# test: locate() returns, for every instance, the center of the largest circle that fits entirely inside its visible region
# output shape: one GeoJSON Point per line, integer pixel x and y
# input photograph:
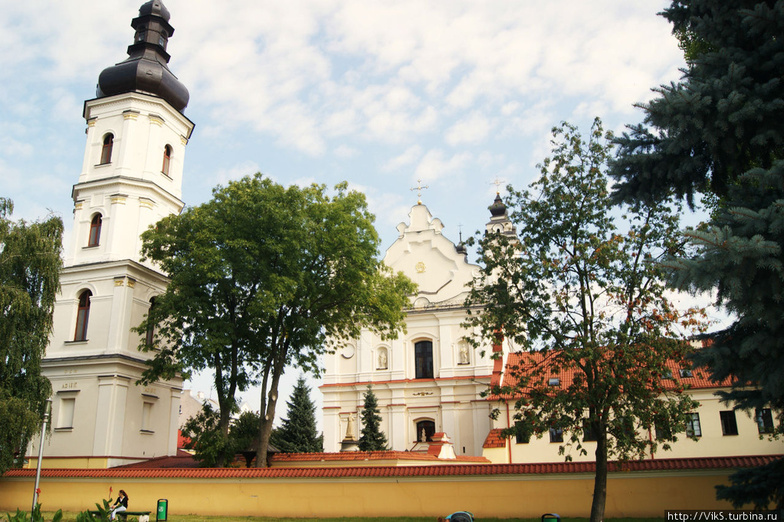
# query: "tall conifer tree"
{"type": "Point", "coordinates": [719, 131]}
{"type": "Point", "coordinates": [372, 438]}
{"type": "Point", "coordinates": [298, 433]}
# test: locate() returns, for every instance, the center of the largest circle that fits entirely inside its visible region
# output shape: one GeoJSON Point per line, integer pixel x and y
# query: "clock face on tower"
{"type": "Point", "coordinates": [347, 352]}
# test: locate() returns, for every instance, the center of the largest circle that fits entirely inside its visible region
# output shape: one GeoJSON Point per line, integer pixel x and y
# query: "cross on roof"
{"type": "Point", "coordinates": [497, 182]}
{"type": "Point", "coordinates": [419, 188]}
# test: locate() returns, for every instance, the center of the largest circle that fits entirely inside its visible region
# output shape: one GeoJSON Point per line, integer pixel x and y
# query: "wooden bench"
{"type": "Point", "coordinates": [123, 514]}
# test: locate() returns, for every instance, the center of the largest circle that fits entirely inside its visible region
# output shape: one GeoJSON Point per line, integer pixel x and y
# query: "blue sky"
{"type": "Point", "coordinates": [456, 93]}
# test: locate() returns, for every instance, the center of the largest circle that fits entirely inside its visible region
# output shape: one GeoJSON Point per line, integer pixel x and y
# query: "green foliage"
{"type": "Point", "coordinates": [372, 438]}
{"type": "Point", "coordinates": [720, 132]}
{"type": "Point", "coordinates": [725, 115]}
{"type": "Point", "coordinates": [264, 276]}
{"type": "Point", "coordinates": [29, 280]}
{"type": "Point", "coordinates": [211, 446]}
{"type": "Point", "coordinates": [588, 299]}
{"type": "Point", "coordinates": [298, 433]}
{"type": "Point", "coordinates": [36, 516]}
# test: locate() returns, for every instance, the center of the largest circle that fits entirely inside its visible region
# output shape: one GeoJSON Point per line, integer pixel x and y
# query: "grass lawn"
{"type": "Point", "coordinates": [71, 517]}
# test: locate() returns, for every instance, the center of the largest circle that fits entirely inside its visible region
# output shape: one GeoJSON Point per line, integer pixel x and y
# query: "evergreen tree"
{"type": "Point", "coordinates": [372, 438]}
{"type": "Point", "coordinates": [298, 433]}
{"type": "Point", "coordinates": [720, 132]}
{"type": "Point", "coordinates": [29, 280]}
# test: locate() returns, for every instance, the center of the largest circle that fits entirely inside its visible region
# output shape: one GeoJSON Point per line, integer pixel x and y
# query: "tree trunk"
{"type": "Point", "coordinates": [600, 479]}
{"type": "Point", "coordinates": [267, 417]}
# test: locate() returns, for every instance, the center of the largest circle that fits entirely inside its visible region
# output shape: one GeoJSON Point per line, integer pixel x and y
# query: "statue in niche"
{"type": "Point", "coordinates": [382, 359]}
{"type": "Point", "coordinates": [463, 353]}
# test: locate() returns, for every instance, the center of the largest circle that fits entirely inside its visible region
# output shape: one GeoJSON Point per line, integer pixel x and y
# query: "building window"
{"type": "Point", "coordinates": [556, 435]}
{"type": "Point", "coordinates": [66, 415]}
{"type": "Point", "coordinates": [663, 429]}
{"type": "Point", "coordinates": [423, 358]}
{"type": "Point", "coordinates": [82, 316]}
{"type": "Point", "coordinates": [764, 420]}
{"type": "Point", "coordinates": [522, 433]}
{"type": "Point", "coordinates": [95, 231]}
{"type": "Point", "coordinates": [150, 337]}
{"type": "Point", "coordinates": [589, 434]}
{"type": "Point", "coordinates": [728, 424]}
{"type": "Point", "coordinates": [147, 416]}
{"type": "Point", "coordinates": [167, 152]}
{"type": "Point", "coordinates": [425, 430]}
{"type": "Point", "coordinates": [106, 150]}
{"type": "Point", "coordinates": [554, 381]}
{"type": "Point", "coordinates": [685, 372]}
{"type": "Point", "coordinates": [693, 428]}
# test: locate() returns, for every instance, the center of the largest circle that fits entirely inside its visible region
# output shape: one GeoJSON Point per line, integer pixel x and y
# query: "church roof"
{"type": "Point", "coordinates": [522, 361]}
{"type": "Point", "coordinates": [145, 69]}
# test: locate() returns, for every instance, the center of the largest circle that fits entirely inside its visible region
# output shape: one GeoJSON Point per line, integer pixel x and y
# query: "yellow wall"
{"type": "Point", "coordinates": [630, 494]}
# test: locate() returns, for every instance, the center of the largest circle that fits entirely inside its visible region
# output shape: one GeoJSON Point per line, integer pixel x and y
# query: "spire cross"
{"type": "Point", "coordinates": [419, 188]}
{"type": "Point", "coordinates": [497, 182]}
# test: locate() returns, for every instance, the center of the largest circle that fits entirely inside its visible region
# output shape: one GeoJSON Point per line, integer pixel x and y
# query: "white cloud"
{"type": "Point", "coordinates": [435, 165]}
{"type": "Point", "coordinates": [408, 157]}
{"type": "Point", "coordinates": [474, 128]}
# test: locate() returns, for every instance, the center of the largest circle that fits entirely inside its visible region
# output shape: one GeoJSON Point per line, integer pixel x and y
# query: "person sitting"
{"type": "Point", "coordinates": [121, 504]}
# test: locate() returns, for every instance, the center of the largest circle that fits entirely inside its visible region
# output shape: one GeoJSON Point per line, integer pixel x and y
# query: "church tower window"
{"type": "Point", "coordinates": [82, 316]}
{"type": "Point", "coordinates": [150, 326]}
{"type": "Point", "coordinates": [423, 360]}
{"type": "Point", "coordinates": [95, 231]}
{"type": "Point", "coordinates": [106, 150]}
{"type": "Point", "coordinates": [167, 152]}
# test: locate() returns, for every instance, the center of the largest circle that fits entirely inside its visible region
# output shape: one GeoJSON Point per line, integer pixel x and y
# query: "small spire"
{"type": "Point", "coordinates": [419, 188]}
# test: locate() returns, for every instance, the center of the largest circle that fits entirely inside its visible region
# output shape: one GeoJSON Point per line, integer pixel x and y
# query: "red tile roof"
{"type": "Point", "coordinates": [354, 456]}
{"type": "Point", "coordinates": [495, 439]}
{"type": "Point", "coordinates": [402, 471]}
{"type": "Point", "coordinates": [521, 362]}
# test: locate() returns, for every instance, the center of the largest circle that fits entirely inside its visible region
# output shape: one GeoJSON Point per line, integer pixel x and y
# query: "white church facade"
{"type": "Point", "coordinates": [131, 177]}
{"type": "Point", "coordinates": [429, 380]}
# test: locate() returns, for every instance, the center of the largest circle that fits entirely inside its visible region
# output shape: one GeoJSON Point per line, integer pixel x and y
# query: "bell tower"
{"type": "Point", "coordinates": [131, 177]}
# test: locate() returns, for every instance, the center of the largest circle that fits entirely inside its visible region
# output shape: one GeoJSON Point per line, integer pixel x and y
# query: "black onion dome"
{"type": "Point", "coordinates": [497, 208]}
{"type": "Point", "coordinates": [145, 70]}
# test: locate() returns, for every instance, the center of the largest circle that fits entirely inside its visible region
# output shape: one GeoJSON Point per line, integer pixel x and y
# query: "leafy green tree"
{"type": "Point", "coordinates": [719, 132]}
{"type": "Point", "coordinates": [211, 447]}
{"type": "Point", "coordinates": [244, 434]}
{"type": "Point", "coordinates": [29, 280]}
{"type": "Point", "coordinates": [263, 276]}
{"type": "Point", "coordinates": [588, 300]}
{"type": "Point", "coordinates": [372, 438]}
{"type": "Point", "coordinates": [298, 433]}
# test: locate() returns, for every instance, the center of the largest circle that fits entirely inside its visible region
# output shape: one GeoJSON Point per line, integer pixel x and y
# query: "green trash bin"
{"type": "Point", "coordinates": [163, 509]}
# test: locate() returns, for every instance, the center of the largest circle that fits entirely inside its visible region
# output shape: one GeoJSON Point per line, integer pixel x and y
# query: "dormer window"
{"type": "Point", "coordinates": [106, 149]}
{"type": "Point", "coordinates": [685, 372]}
{"type": "Point", "coordinates": [553, 381]}
{"type": "Point", "coordinates": [167, 153]}
{"type": "Point", "coordinates": [95, 231]}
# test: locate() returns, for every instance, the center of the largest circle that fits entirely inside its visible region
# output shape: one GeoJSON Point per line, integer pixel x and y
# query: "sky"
{"type": "Point", "coordinates": [456, 93]}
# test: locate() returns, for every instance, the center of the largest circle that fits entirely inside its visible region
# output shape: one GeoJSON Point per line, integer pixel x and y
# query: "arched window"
{"type": "Point", "coordinates": [425, 430]}
{"type": "Point", "coordinates": [150, 325]}
{"type": "Point", "coordinates": [423, 360]}
{"type": "Point", "coordinates": [95, 231]}
{"type": "Point", "coordinates": [167, 152]}
{"type": "Point", "coordinates": [106, 150]}
{"type": "Point", "coordinates": [82, 316]}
